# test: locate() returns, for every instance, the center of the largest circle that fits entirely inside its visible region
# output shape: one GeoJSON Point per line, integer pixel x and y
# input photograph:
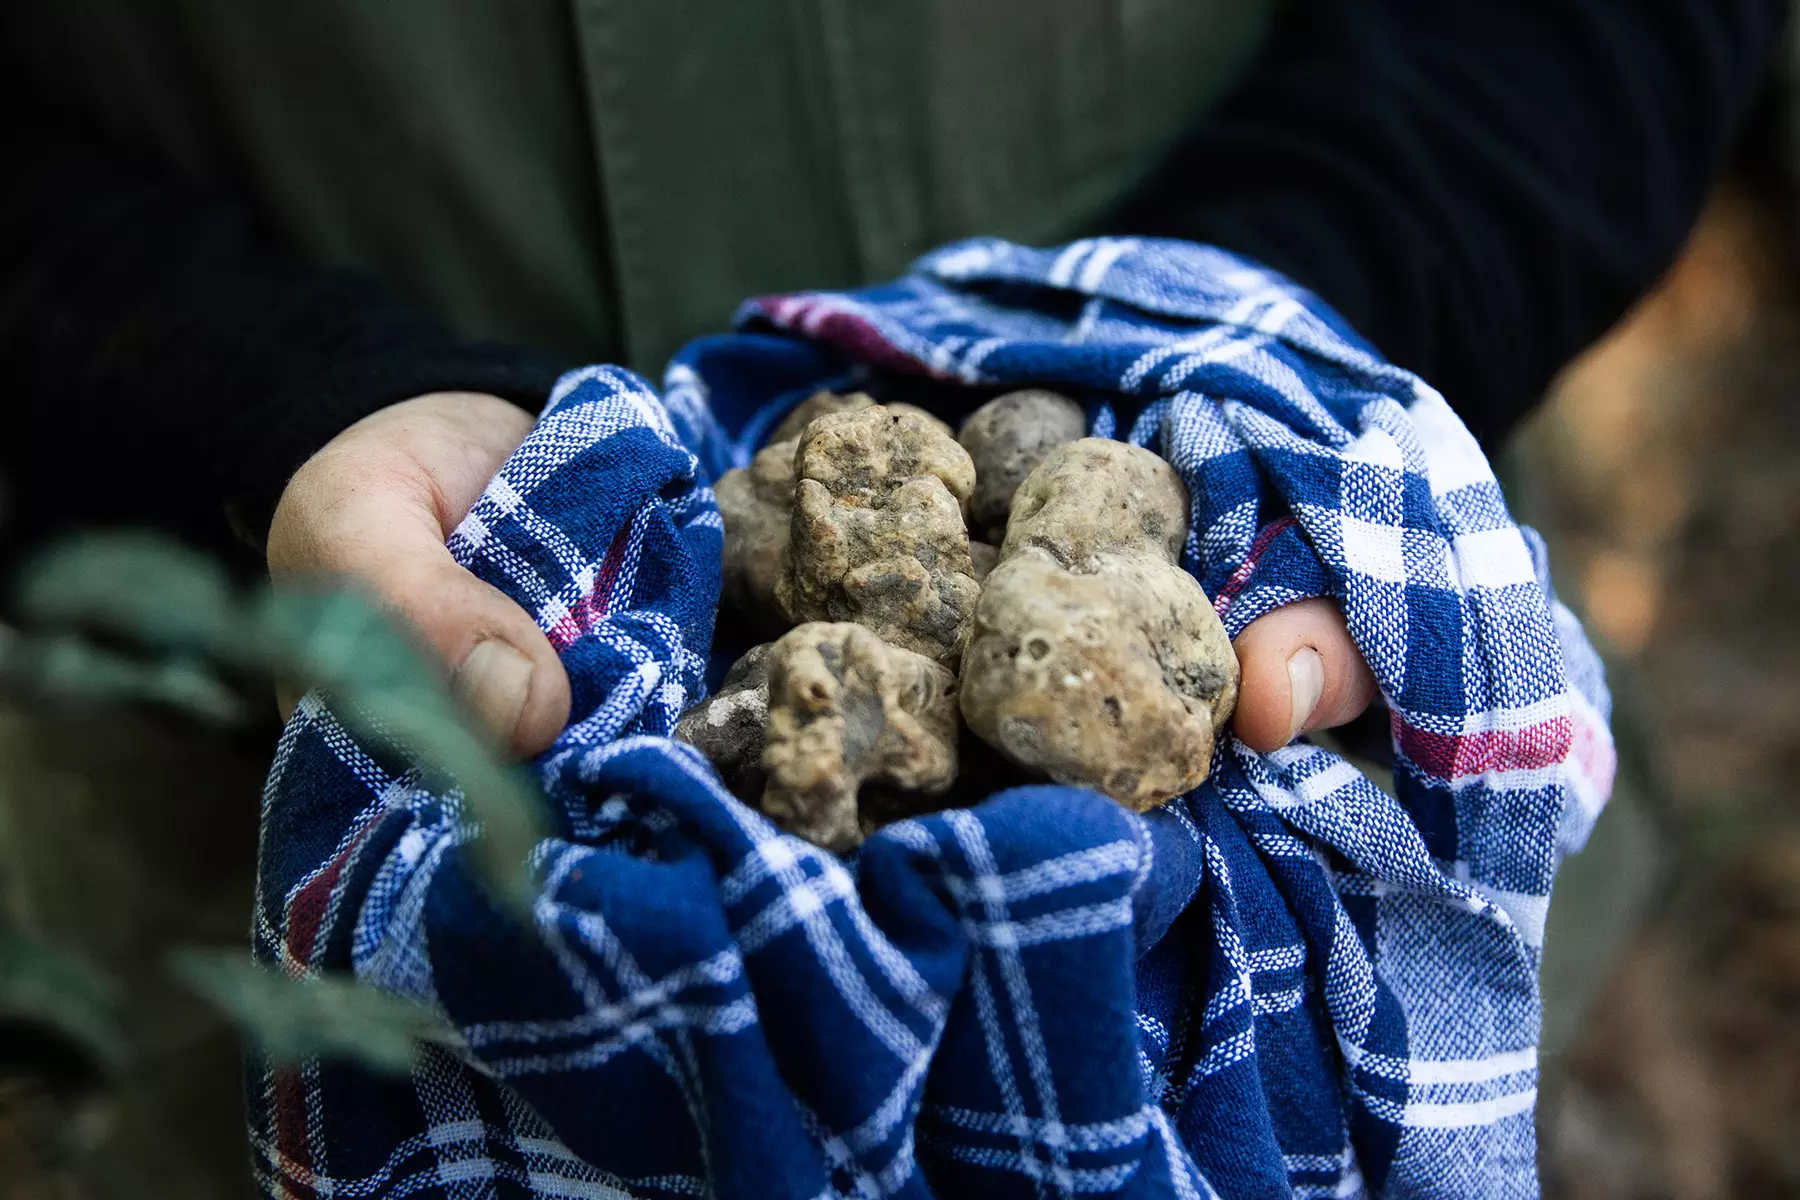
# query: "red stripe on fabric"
{"type": "Point", "coordinates": [597, 603]}
{"type": "Point", "coordinates": [292, 1139]}
{"type": "Point", "coordinates": [306, 911]}
{"type": "Point", "coordinates": [1593, 753]}
{"type": "Point", "coordinates": [818, 318]}
{"type": "Point", "coordinates": [565, 633]}
{"type": "Point", "coordinates": [1247, 568]}
{"type": "Point", "coordinates": [1452, 756]}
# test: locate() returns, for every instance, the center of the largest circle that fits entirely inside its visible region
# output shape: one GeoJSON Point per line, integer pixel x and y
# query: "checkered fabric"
{"type": "Point", "coordinates": [1288, 982]}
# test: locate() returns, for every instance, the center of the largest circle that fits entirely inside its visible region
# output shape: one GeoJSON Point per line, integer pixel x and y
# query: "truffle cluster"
{"type": "Point", "coordinates": [1078, 649]}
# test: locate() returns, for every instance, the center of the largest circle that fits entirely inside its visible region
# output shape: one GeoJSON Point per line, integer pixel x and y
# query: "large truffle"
{"type": "Point", "coordinates": [730, 726]}
{"type": "Point", "coordinates": [846, 710]}
{"type": "Point", "coordinates": [878, 535]}
{"type": "Point", "coordinates": [1097, 496]}
{"type": "Point", "coordinates": [757, 506]}
{"type": "Point", "coordinates": [1094, 657]}
{"type": "Point", "coordinates": [1007, 438]}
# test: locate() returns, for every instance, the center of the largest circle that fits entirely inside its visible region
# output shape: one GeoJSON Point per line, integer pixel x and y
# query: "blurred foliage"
{"type": "Point", "coordinates": [179, 604]}
{"type": "Point", "coordinates": [48, 988]}
{"type": "Point", "coordinates": [68, 668]}
{"type": "Point", "coordinates": [127, 651]}
{"type": "Point", "coordinates": [321, 1017]}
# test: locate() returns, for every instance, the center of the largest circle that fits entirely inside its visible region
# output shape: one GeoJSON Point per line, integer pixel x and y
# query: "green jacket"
{"type": "Point", "coordinates": [605, 179]}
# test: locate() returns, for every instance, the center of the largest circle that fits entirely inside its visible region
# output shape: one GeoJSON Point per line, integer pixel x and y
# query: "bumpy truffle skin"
{"type": "Point", "coordinates": [846, 709]}
{"type": "Point", "coordinates": [757, 505]}
{"type": "Point", "coordinates": [1007, 438]}
{"type": "Point", "coordinates": [820, 404]}
{"type": "Point", "coordinates": [1098, 496]}
{"type": "Point", "coordinates": [811, 409]}
{"type": "Point", "coordinates": [729, 726]}
{"type": "Point", "coordinates": [878, 536]}
{"type": "Point", "coordinates": [1094, 658]}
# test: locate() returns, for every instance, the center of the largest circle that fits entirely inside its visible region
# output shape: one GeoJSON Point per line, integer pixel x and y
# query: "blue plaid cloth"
{"type": "Point", "coordinates": [1288, 982]}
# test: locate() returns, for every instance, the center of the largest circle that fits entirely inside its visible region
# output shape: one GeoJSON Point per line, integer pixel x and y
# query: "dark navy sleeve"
{"type": "Point", "coordinates": [1480, 187]}
{"type": "Point", "coordinates": [167, 364]}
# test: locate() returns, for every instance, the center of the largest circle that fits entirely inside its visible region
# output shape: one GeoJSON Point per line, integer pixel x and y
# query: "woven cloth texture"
{"type": "Point", "coordinates": [1289, 981]}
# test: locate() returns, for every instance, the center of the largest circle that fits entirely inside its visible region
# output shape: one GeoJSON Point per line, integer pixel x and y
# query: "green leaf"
{"type": "Point", "coordinates": [380, 683]}
{"type": "Point", "coordinates": [137, 584]}
{"type": "Point", "coordinates": [321, 1017]}
{"type": "Point", "coordinates": [67, 668]}
{"type": "Point", "coordinates": [389, 692]}
{"type": "Point", "coordinates": [43, 985]}
{"type": "Point", "coordinates": [341, 640]}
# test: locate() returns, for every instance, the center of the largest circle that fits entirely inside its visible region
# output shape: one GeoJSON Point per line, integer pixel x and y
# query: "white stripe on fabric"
{"type": "Point", "coordinates": [972, 839]}
{"type": "Point", "coordinates": [1087, 921]}
{"type": "Point", "coordinates": [1529, 912]}
{"type": "Point", "coordinates": [1471, 1113]}
{"type": "Point", "coordinates": [1480, 1070]}
{"type": "Point", "coordinates": [1496, 558]}
{"type": "Point", "coordinates": [1062, 271]}
{"type": "Point", "coordinates": [1453, 457]}
{"type": "Point", "coordinates": [1111, 251]}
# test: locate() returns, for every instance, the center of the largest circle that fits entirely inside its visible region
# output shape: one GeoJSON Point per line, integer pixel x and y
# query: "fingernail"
{"type": "Point", "coordinates": [1306, 683]}
{"type": "Point", "coordinates": [494, 681]}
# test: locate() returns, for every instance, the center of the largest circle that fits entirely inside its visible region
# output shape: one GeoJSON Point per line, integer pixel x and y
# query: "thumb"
{"type": "Point", "coordinates": [503, 669]}
{"type": "Point", "coordinates": [1300, 671]}
{"type": "Point", "coordinates": [365, 511]}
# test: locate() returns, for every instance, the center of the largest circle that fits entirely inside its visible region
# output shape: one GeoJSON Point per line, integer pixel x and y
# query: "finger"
{"type": "Point", "coordinates": [506, 672]}
{"type": "Point", "coordinates": [503, 669]}
{"type": "Point", "coordinates": [1301, 671]}
{"type": "Point", "coordinates": [287, 698]}
{"type": "Point", "coordinates": [384, 531]}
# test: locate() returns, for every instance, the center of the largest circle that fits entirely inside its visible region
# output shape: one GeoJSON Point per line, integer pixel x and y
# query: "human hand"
{"type": "Point", "coordinates": [376, 504]}
{"type": "Point", "coordinates": [1301, 672]}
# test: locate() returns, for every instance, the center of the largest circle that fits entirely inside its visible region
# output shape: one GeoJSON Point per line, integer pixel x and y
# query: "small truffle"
{"type": "Point", "coordinates": [729, 726]}
{"type": "Point", "coordinates": [1094, 658]}
{"type": "Point", "coordinates": [878, 535]}
{"type": "Point", "coordinates": [847, 709]}
{"type": "Point", "coordinates": [1007, 438]}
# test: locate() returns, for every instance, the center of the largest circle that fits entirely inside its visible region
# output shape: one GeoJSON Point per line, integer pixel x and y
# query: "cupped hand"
{"type": "Point", "coordinates": [376, 504]}
{"type": "Point", "coordinates": [1301, 672]}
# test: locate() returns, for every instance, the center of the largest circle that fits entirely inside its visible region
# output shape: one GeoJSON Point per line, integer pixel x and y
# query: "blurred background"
{"type": "Point", "coordinates": [1664, 472]}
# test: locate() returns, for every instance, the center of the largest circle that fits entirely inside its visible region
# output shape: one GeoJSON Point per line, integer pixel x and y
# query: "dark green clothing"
{"type": "Point", "coordinates": [604, 179]}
